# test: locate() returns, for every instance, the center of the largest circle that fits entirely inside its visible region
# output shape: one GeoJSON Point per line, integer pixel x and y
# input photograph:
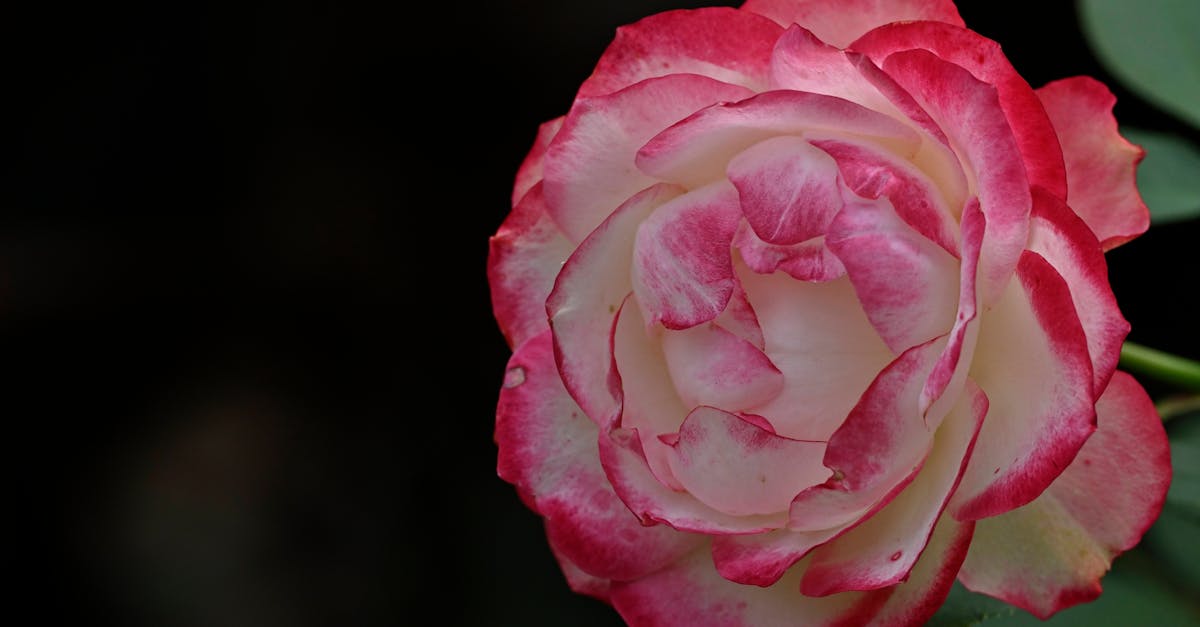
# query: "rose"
{"type": "Point", "coordinates": [811, 316]}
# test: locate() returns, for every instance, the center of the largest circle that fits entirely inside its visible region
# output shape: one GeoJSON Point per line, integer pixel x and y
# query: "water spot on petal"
{"type": "Point", "coordinates": [896, 555]}
{"type": "Point", "coordinates": [514, 377]}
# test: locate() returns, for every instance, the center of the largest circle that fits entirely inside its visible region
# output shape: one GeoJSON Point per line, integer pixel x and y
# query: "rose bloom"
{"type": "Point", "coordinates": [810, 317]}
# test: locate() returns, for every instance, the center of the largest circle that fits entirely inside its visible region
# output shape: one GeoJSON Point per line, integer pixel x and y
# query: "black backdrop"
{"type": "Point", "coordinates": [243, 305]}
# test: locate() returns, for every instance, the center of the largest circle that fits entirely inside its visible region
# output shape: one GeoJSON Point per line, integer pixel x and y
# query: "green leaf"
{"type": "Point", "coordinates": [1185, 465]}
{"type": "Point", "coordinates": [1152, 46]}
{"type": "Point", "coordinates": [963, 608]}
{"type": "Point", "coordinates": [1172, 540]}
{"type": "Point", "coordinates": [1169, 177]}
{"type": "Point", "coordinates": [1133, 595]}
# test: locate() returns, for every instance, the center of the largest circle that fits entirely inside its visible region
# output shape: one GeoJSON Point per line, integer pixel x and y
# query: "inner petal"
{"type": "Point", "coordinates": [711, 366]}
{"type": "Point", "coordinates": [788, 188]}
{"type": "Point", "coordinates": [697, 149]}
{"type": "Point", "coordinates": [908, 286]}
{"type": "Point", "coordinates": [822, 342]}
{"type": "Point", "coordinates": [649, 404]}
{"type": "Point", "coordinates": [741, 468]}
{"type": "Point", "coordinates": [682, 272]}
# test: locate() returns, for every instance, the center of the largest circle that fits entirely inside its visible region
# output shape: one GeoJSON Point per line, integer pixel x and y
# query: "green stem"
{"type": "Point", "coordinates": [1162, 366]}
{"type": "Point", "coordinates": [1174, 406]}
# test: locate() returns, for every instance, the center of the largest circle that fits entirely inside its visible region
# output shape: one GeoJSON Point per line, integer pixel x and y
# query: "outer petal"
{"type": "Point", "coordinates": [548, 450]}
{"type": "Point", "coordinates": [690, 592]}
{"type": "Point", "coordinates": [970, 113]}
{"type": "Point", "coordinates": [718, 42]}
{"type": "Point", "coordinates": [1051, 553]}
{"type": "Point", "coordinates": [696, 150]}
{"type": "Point", "coordinates": [840, 22]}
{"type": "Point", "coordinates": [682, 268]}
{"type": "Point", "coordinates": [1039, 376]}
{"type": "Point", "coordinates": [591, 287]}
{"type": "Point", "coordinates": [524, 257]}
{"type": "Point", "coordinates": [530, 172]}
{"type": "Point", "coordinates": [589, 166]}
{"type": "Point", "coordinates": [579, 580]}
{"type": "Point", "coordinates": [1100, 163]}
{"type": "Point", "coordinates": [908, 286]}
{"type": "Point", "coordinates": [1062, 238]}
{"type": "Point", "coordinates": [983, 58]}
{"type": "Point", "coordinates": [789, 189]}
{"type": "Point", "coordinates": [882, 550]}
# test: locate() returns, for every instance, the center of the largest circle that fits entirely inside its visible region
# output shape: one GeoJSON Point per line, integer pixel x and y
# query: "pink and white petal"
{"type": "Point", "coordinates": [739, 317]}
{"type": "Point", "coordinates": [1051, 553]}
{"type": "Point", "coordinates": [650, 404]}
{"type": "Point", "coordinates": [524, 257]}
{"type": "Point", "coordinates": [590, 288]}
{"type": "Point", "coordinates": [694, 151]}
{"type": "Point", "coordinates": [882, 550]}
{"type": "Point", "coordinates": [908, 286]}
{"type": "Point", "coordinates": [682, 262]}
{"type": "Point", "coordinates": [548, 450]}
{"type": "Point", "coordinates": [718, 42]}
{"type": "Point", "coordinates": [579, 580]}
{"type": "Point", "coordinates": [762, 559]}
{"type": "Point", "coordinates": [802, 62]}
{"type": "Point", "coordinates": [1101, 185]}
{"type": "Point", "coordinates": [740, 468]}
{"type": "Point", "coordinates": [789, 189]}
{"type": "Point", "coordinates": [936, 157]}
{"type": "Point", "coordinates": [873, 173]}
{"type": "Point", "coordinates": [970, 113]}
{"type": "Point", "coordinates": [984, 59]}
{"type": "Point", "coordinates": [691, 592]}
{"type": "Point", "coordinates": [877, 451]}
{"type": "Point", "coordinates": [807, 261]}
{"type": "Point", "coordinates": [625, 465]}
{"type": "Point", "coordinates": [530, 172]}
{"type": "Point", "coordinates": [711, 366]}
{"type": "Point", "coordinates": [589, 166]}
{"type": "Point", "coordinates": [1032, 360]}
{"type": "Point", "coordinates": [1064, 240]}
{"type": "Point", "coordinates": [920, 597]}
{"type": "Point", "coordinates": [950, 373]}
{"type": "Point", "coordinates": [839, 22]}
{"type": "Point", "coordinates": [820, 339]}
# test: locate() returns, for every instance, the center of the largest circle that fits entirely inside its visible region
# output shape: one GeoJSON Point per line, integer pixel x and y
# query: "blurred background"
{"type": "Point", "coordinates": [251, 363]}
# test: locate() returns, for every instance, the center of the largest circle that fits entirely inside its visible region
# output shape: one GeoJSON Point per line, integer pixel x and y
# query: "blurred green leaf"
{"type": "Point", "coordinates": [1169, 177]}
{"type": "Point", "coordinates": [1133, 595]}
{"type": "Point", "coordinates": [964, 607]}
{"type": "Point", "coordinates": [1172, 540]}
{"type": "Point", "coordinates": [1185, 465]}
{"type": "Point", "coordinates": [1152, 46]}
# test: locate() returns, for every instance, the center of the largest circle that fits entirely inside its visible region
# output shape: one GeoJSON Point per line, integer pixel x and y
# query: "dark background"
{"type": "Point", "coordinates": [251, 365]}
